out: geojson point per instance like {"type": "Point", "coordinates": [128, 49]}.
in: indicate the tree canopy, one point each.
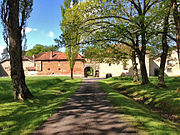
{"type": "Point", "coordinates": [133, 23]}
{"type": "Point", "coordinates": [37, 49]}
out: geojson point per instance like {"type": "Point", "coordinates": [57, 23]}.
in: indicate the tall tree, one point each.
{"type": "Point", "coordinates": [14, 14]}
{"type": "Point", "coordinates": [176, 15]}
{"type": "Point", "coordinates": [165, 45]}
{"type": "Point", "coordinates": [128, 22]}
{"type": "Point", "coordinates": [71, 49]}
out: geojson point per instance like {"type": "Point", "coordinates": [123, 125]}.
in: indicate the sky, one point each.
{"type": "Point", "coordinates": [44, 24]}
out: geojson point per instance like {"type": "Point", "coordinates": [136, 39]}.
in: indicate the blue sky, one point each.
{"type": "Point", "coordinates": [44, 24]}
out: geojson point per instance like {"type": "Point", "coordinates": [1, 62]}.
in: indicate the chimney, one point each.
{"type": "Point", "coordinates": [33, 59]}
{"type": "Point", "coordinates": [51, 54]}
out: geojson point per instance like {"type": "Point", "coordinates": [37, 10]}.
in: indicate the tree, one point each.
{"type": "Point", "coordinates": [70, 32]}
{"type": "Point", "coordinates": [14, 14]}
{"type": "Point", "coordinates": [37, 49]}
{"type": "Point", "coordinates": [128, 22]}
{"type": "Point", "coordinates": [176, 15]}
{"type": "Point", "coordinates": [165, 45]}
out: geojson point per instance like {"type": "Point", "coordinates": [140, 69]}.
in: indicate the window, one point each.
{"type": "Point", "coordinates": [109, 64]}
{"type": "Point", "coordinates": [59, 68]}
{"type": "Point", "coordinates": [169, 62]}
{"type": "Point", "coordinates": [48, 68]}
{"type": "Point", "coordinates": [169, 69]}
{"type": "Point", "coordinates": [125, 67]}
{"type": "Point", "coordinates": [6, 67]}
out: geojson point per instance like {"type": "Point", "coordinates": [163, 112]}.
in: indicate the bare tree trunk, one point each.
{"type": "Point", "coordinates": [134, 65]}
{"type": "Point", "coordinates": [165, 47]}
{"type": "Point", "coordinates": [144, 74]}
{"type": "Point", "coordinates": [161, 82]}
{"type": "Point", "coordinates": [72, 73]}
{"type": "Point", "coordinates": [20, 88]}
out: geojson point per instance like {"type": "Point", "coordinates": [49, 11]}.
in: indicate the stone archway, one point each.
{"type": "Point", "coordinates": [94, 66]}
{"type": "Point", "coordinates": [88, 71]}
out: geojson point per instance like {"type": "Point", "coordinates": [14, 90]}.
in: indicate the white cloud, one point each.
{"type": "Point", "coordinates": [34, 29]}
{"type": "Point", "coordinates": [51, 34]}
{"type": "Point", "coordinates": [28, 29]}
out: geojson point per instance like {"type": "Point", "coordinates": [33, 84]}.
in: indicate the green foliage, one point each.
{"type": "Point", "coordinates": [19, 118]}
{"type": "Point", "coordinates": [37, 49]}
{"type": "Point", "coordinates": [108, 53]}
{"type": "Point", "coordinates": [70, 29]}
{"type": "Point", "coordinates": [143, 118]}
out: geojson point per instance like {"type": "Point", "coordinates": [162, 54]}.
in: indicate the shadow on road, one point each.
{"type": "Point", "coordinates": [88, 112]}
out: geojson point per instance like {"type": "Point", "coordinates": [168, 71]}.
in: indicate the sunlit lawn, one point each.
{"type": "Point", "coordinates": [150, 96]}
{"type": "Point", "coordinates": [17, 117]}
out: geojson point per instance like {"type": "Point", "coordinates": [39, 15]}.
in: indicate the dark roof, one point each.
{"type": "Point", "coordinates": [53, 56]}
{"type": "Point", "coordinates": [23, 58]}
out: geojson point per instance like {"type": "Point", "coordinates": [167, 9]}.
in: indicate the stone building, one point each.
{"type": "Point", "coordinates": [5, 66]}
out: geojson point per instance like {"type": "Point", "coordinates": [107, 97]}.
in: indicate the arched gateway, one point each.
{"type": "Point", "coordinates": [91, 69]}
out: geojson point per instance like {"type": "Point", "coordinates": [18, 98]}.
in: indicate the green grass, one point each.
{"type": "Point", "coordinates": [144, 119]}
{"type": "Point", "coordinates": [17, 117]}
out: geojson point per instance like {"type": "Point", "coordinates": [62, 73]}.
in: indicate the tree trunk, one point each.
{"type": "Point", "coordinates": [177, 23]}
{"type": "Point", "coordinates": [20, 88]}
{"type": "Point", "coordinates": [72, 73]}
{"type": "Point", "coordinates": [165, 48]}
{"type": "Point", "coordinates": [144, 75]}
{"type": "Point", "coordinates": [161, 82]}
{"type": "Point", "coordinates": [134, 65]}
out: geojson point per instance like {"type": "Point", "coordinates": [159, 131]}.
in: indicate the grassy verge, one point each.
{"type": "Point", "coordinates": [144, 119]}
{"type": "Point", "coordinates": [17, 117]}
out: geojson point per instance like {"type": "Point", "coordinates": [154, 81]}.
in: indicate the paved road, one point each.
{"type": "Point", "coordinates": [88, 112]}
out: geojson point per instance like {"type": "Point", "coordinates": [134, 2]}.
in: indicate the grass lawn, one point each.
{"type": "Point", "coordinates": [123, 93]}
{"type": "Point", "coordinates": [17, 117]}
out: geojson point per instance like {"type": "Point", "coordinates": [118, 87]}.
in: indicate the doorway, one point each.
{"type": "Point", "coordinates": [88, 72]}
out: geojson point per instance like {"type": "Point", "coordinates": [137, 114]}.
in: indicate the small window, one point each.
{"type": "Point", "coordinates": [109, 64]}
{"type": "Point", "coordinates": [6, 67]}
{"type": "Point", "coordinates": [169, 62]}
{"type": "Point", "coordinates": [169, 69]}
{"type": "Point", "coordinates": [59, 68]}
{"type": "Point", "coordinates": [48, 68]}
{"type": "Point", "coordinates": [125, 67]}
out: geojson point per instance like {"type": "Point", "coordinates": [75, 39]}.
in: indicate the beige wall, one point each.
{"type": "Point", "coordinates": [7, 68]}
{"type": "Point", "coordinates": [171, 68]}
{"type": "Point", "coordinates": [118, 70]}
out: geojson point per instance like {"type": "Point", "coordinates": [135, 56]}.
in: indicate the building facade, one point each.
{"type": "Point", "coordinates": [5, 69]}
{"type": "Point", "coordinates": [56, 63]}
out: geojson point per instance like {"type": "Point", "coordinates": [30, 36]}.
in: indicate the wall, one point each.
{"type": "Point", "coordinates": [118, 70]}
{"type": "Point", "coordinates": [7, 69]}
{"type": "Point", "coordinates": [59, 68]}
{"type": "Point", "coordinates": [171, 68]}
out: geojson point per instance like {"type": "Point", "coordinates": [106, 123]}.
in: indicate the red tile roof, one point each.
{"type": "Point", "coordinates": [31, 68]}
{"type": "Point", "coordinates": [54, 56]}
{"type": "Point", "coordinates": [27, 58]}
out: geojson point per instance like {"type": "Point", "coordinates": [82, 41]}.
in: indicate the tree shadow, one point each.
{"type": "Point", "coordinates": [151, 121]}
{"type": "Point", "coordinates": [19, 116]}
{"type": "Point", "coordinates": [89, 112]}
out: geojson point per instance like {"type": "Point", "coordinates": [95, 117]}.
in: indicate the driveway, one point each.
{"type": "Point", "coordinates": [87, 112]}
